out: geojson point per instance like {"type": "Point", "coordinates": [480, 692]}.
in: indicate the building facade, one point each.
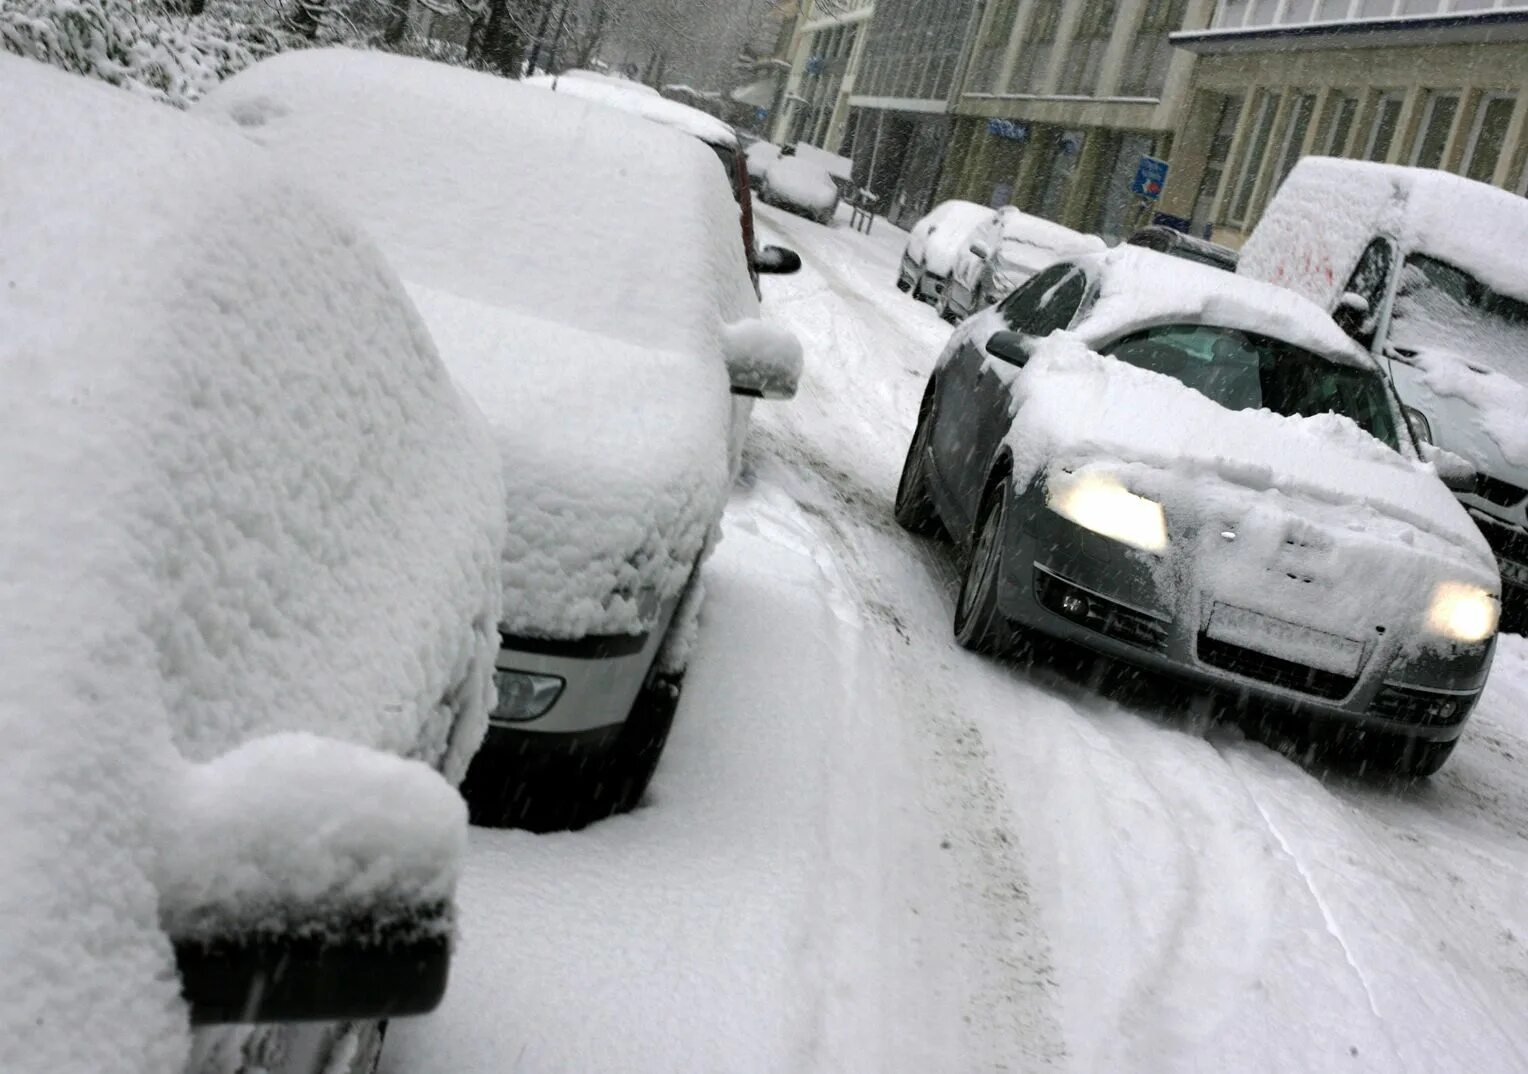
{"type": "Point", "coordinates": [1433, 83]}
{"type": "Point", "coordinates": [826, 53]}
{"type": "Point", "coordinates": [1061, 101]}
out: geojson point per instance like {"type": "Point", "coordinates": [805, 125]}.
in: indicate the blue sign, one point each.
{"type": "Point", "coordinates": [1007, 128]}
{"type": "Point", "coordinates": [1150, 177]}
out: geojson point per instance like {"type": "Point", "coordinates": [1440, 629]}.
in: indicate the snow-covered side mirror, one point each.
{"type": "Point", "coordinates": [1355, 303]}
{"type": "Point", "coordinates": [1455, 471]}
{"type": "Point", "coordinates": [303, 879]}
{"type": "Point", "coordinates": [980, 250]}
{"type": "Point", "coordinates": [763, 360]}
{"type": "Point", "coordinates": [1353, 315]}
{"type": "Point", "coordinates": [777, 260]}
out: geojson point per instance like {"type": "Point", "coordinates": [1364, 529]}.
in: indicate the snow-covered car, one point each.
{"type": "Point", "coordinates": [935, 242]}
{"type": "Point", "coordinates": [1426, 270]}
{"type": "Point", "coordinates": [636, 99]}
{"type": "Point", "coordinates": [1169, 240]}
{"type": "Point", "coordinates": [1213, 481]}
{"type": "Point", "coordinates": [800, 186]}
{"type": "Point", "coordinates": [251, 534]}
{"type": "Point", "coordinates": [1004, 252]}
{"type": "Point", "coordinates": [760, 155]}
{"type": "Point", "coordinates": [581, 275]}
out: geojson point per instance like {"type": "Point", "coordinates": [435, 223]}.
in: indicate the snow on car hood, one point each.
{"type": "Point", "coordinates": [612, 464]}
{"type": "Point", "coordinates": [1316, 498]}
{"type": "Point", "coordinates": [578, 269]}
{"type": "Point", "coordinates": [802, 183]}
{"type": "Point", "coordinates": [239, 494]}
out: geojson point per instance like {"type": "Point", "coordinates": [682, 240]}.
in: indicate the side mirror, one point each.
{"type": "Point", "coordinates": [1354, 302]}
{"type": "Point", "coordinates": [302, 879]}
{"type": "Point", "coordinates": [1352, 315]}
{"type": "Point", "coordinates": [1454, 470]}
{"type": "Point", "coordinates": [1010, 347]}
{"type": "Point", "coordinates": [777, 260]}
{"type": "Point", "coordinates": [763, 360]}
{"type": "Point", "coordinates": [980, 249]}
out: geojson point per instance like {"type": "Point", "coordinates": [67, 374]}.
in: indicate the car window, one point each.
{"type": "Point", "coordinates": [1244, 371]}
{"type": "Point", "coordinates": [1047, 302]}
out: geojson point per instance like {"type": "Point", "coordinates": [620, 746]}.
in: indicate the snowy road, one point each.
{"type": "Point", "coordinates": [868, 850]}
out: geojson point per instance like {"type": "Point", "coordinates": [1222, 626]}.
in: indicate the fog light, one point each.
{"type": "Point", "coordinates": [524, 695]}
{"type": "Point", "coordinates": [1074, 605]}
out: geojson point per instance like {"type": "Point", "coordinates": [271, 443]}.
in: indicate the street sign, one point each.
{"type": "Point", "coordinates": [1007, 128]}
{"type": "Point", "coordinates": [1150, 175]}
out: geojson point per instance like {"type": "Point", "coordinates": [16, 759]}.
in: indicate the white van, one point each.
{"type": "Point", "coordinates": [1425, 269]}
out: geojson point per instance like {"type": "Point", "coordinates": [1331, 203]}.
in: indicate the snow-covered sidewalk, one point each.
{"type": "Point", "coordinates": [868, 850]}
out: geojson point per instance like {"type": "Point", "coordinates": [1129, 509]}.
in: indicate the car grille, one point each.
{"type": "Point", "coordinates": [1424, 708]}
{"type": "Point", "coordinates": [1501, 493]}
{"type": "Point", "coordinates": [1098, 613]}
{"type": "Point", "coordinates": [1274, 670]}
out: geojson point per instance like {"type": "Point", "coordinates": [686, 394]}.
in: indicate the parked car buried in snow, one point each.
{"type": "Point", "coordinates": [607, 327]}
{"type": "Point", "coordinates": [934, 243]}
{"type": "Point", "coordinates": [1426, 270]}
{"type": "Point", "coordinates": [1210, 481]}
{"type": "Point", "coordinates": [1004, 252]}
{"type": "Point", "coordinates": [251, 534]}
{"type": "Point", "coordinates": [801, 186]}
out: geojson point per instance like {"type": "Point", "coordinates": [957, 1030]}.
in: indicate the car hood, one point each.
{"type": "Point", "coordinates": [1323, 517]}
{"type": "Point", "coordinates": [1473, 412]}
{"type": "Point", "coordinates": [615, 461]}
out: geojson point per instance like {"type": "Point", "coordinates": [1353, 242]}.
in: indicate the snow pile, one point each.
{"type": "Point", "coordinates": [151, 52]}
{"type": "Point", "coordinates": [242, 496]}
{"type": "Point", "coordinates": [235, 854]}
{"type": "Point", "coordinates": [762, 354]}
{"type": "Point", "coordinates": [802, 184]}
{"type": "Point", "coordinates": [1331, 526]}
{"type": "Point", "coordinates": [637, 99]}
{"type": "Point", "coordinates": [577, 270]}
{"type": "Point", "coordinates": [938, 239]}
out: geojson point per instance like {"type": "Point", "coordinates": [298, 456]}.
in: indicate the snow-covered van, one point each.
{"type": "Point", "coordinates": [1426, 270]}
{"type": "Point", "coordinates": [251, 533]}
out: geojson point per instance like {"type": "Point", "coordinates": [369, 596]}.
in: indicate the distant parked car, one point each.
{"type": "Point", "coordinates": [1003, 253]}
{"type": "Point", "coordinates": [801, 186]}
{"type": "Point", "coordinates": [1169, 240]}
{"type": "Point", "coordinates": [1209, 480]}
{"type": "Point", "coordinates": [252, 536]}
{"type": "Point", "coordinates": [934, 243]}
{"type": "Point", "coordinates": [608, 330]}
{"type": "Point", "coordinates": [1426, 270]}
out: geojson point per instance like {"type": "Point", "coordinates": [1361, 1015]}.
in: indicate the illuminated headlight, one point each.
{"type": "Point", "coordinates": [524, 696]}
{"type": "Point", "coordinates": [1104, 505]}
{"type": "Point", "coordinates": [1463, 612]}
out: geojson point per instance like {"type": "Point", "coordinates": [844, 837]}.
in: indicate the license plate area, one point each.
{"type": "Point", "coordinates": [1285, 640]}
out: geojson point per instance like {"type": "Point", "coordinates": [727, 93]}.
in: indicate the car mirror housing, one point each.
{"type": "Point", "coordinates": [763, 360]}
{"type": "Point", "coordinates": [980, 250]}
{"type": "Point", "coordinates": [1010, 347]}
{"type": "Point", "coordinates": [303, 879]}
{"type": "Point", "coordinates": [777, 261]}
{"type": "Point", "coordinates": [1455, 471]}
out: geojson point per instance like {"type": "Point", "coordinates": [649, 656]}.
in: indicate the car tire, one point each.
{"type": "Point", "coordinates": [914, 506]}
{"type": "Point", "coordinates": [570, 791]}
{"type": "Point", "coordinates": [979, 623]}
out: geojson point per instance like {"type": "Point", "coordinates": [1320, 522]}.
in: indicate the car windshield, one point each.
{"type": "Point", "coordinates": [1439, 307]}
{"type": "Point", "coordinates": [1244, 371]}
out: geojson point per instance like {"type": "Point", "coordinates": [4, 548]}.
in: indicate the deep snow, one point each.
{"type": "Point", "coordinates": [867, 850]}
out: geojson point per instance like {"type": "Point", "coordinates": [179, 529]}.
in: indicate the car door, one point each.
{"type": "Point", "coordinates": [974, 398]}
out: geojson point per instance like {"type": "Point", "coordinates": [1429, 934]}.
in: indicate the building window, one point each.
{"type": "Point", "coordinates": [1488, 136]}
{"type": "Point", "coordinates": [1437, 121]}
{"type": "Point", "coordinates": [1151, 52]}
{"type": "Point", "coordinates": [1342, 111]}
{"type": "Point", "coordinates": [1294, 135]}
{"type": "Point", "coordinates": [987, 67]}
{"type": "Point", "coordinates": [1079, 75]}
{"type": "Point", "coordinates": [1035, 53]}
{"type": "Point", "coordinates": [1215, 160]}
{"type": "Point", "coordinates": [1387, 117]}
{"type": "Point", "coordinates": [1263, 113]}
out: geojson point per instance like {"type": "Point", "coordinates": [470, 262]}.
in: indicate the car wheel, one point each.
{"type": "Point", "coordinates": [979, 624]}
{"type": "Point", "coordinates": [914, 507]}
{"type": "Point", "coordinates": [566, 792]}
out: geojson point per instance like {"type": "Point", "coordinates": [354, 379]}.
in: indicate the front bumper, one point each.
{"type": "Point", "coordinates": [1070, 583]}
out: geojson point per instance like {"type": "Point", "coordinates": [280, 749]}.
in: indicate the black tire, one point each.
{"type": "Point", "coordinates": [569, 791]}
{"type": "Point", "coordinates": [914, 506]}
{"type": "Point", "coordinates": [979, 624]}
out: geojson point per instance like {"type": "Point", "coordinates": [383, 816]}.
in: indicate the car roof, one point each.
{"type": "Point", "coordinates": [640, 100]}
{"type": "Point", "coordinates": [1136, 287]}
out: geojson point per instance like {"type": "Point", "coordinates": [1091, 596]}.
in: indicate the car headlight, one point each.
{"type": "Point", "coordinates": [1104, 505]}
{"type": "Point", "coordinates": [1463, 612]}
{"type": "Point", "coordinates": [524, 695]}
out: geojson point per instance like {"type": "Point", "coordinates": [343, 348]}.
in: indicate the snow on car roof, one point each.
{"type": "Point", "coordinates": [239, 490]}
{"type": "Point", "coordinates": [640, 100]}
{"type": "Point", "coordinates": [1137, 287]}
{"type": "Point", "coordinates": [1041, 232]}
{"type": "Point", "coordinates": [1326, 212]}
